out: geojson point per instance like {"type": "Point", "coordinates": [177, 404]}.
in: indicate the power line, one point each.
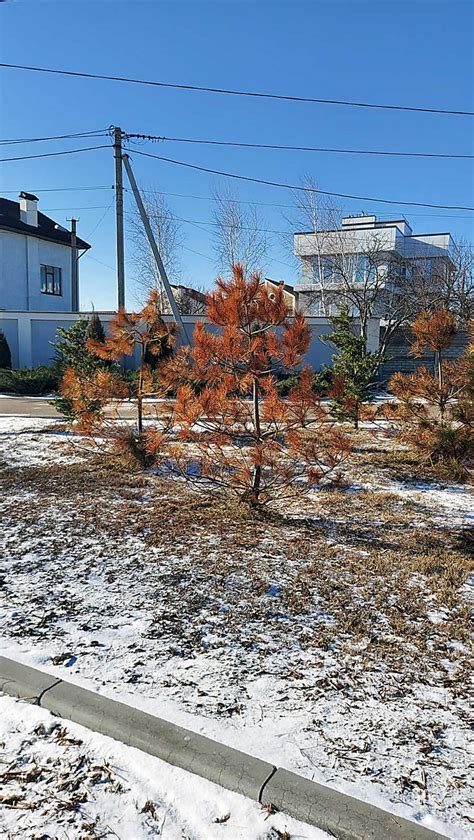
{"type": "Point", "coordinates": [89, 256]}
{"type": "Point", "coordinates": [286, 206]}
{"type": "Point", "coordinates": [101, 218]}
{"type": "Point", "coordinates": [195, 197]}
{"type": "Point", "coordinates": [74, 207]}
{"type": "Point", "coordinates": [98, 133]}
{"type": "Point", "coordinates": [199, 222]}
{"type": "Point", "coordinates": [64, 189]}
{"type": "Point", "coordinates": [198, 253]}
{"type": "Point", "coordinates": [231, 92]}
{"type": "Point", "coordinates": [297, 187]}
{"type": "Point", "coordinates": [54, 154]}
{"type": "Point", "coordinates": [238, 144]}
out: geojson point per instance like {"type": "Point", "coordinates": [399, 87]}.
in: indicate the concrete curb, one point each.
{"type": "Point", "coordinates": [345, 817]}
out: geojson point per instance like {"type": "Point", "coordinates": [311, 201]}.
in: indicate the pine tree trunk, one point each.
{"type": "Point", "coordinates": [139, 394]}
{"type": "Point", "coordinates": [140, 414]}
{"type": "Point", "coordinates": [439, 368]}
{"type": "Point", "coordinates": [257, 474]}
{"type": "Point", "coordinates": [356, 415]}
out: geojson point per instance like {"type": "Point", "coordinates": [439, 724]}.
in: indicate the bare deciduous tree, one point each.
{"type": "Point", "coordinates": [238, 237]}
{"type": "Point", "coordinates": [454, 290]}
{"type": "Point", "coordinates": [313, 213]}
{"type": "Point", "coordinates": [370, 279]}
{"type": "Point", "coordinates": [169, 238]}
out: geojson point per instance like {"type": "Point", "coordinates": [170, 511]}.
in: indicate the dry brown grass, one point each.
{"type": "Point", "coordinates": [361, 557]}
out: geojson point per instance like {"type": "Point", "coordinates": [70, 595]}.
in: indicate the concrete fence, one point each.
{"type": "Point", "coordinates": [30, 335]}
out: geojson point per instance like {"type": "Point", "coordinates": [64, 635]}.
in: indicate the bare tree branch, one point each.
{"type": "Point", "coordinates": [319, 215]}
{"type": "Point", "coordinates": [238, 237]}
{"type": "Point", "coordinates": [169, 238]}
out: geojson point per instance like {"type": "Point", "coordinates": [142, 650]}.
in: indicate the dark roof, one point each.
{"type": "Point", "coordinates": [287, 288]}
{"type": "Point", "coordinates": [29, 196]}
{"type": "Point", "coordinates": [193, 293]}
{"type": "Point", "coordinates": [10, 220]}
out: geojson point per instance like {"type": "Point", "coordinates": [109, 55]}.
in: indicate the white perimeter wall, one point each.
{"type": "Point", "coordinates": [29, 335]}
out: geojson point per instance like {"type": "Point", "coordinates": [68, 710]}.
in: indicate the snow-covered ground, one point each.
{"type": "Point", "coordinates": [61, 780]}
{"type": "Point", "coordinates": [245, 632]}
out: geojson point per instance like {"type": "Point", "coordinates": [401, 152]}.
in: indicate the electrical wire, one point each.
{"type": "Point", "coordinates": [99, 133]}
{"type": "Point", "coordinates": [197, 198]}
{"type": "Point", "coordinates": [285, 206]}
{"type": "Point", "coordinates": [198, 253]}
{"type": "Point", "coordinates": [232, 92]}
{"type": "Point", "coordinates": [238, 144]}
{"type": "Point", "coordinates": [101, 218]}
{"type": "Point", "coordinates": [209, 198]}
{"type": "Point", "coordinates": [64, 189]}
{"type": "Point", "coordinates": [296, 187]}
{"type": "Point", "coordinates": [73, 207]}
{"type": "Point", "coordinates": [55, 154]}
{"type": "Point", "coordinates": [89, 256]}
{"type": "Point", "coordinates": [197, 223]}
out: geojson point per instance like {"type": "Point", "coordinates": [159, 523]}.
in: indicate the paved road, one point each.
{"type": "Point", "coordinates": [40, 407]}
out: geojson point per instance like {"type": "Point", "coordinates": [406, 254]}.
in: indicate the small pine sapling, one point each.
{"type": "Point", "coordinates": [5, 354]}
{"type": "Point", "coordinates": [353, 371]}
{"type": "Point", "coordinates": [434, 409]}
{"type": "Point", "coordinates": [238, 432]}
{"type": "Point", "coordinates": [433, 331]}
{"type": "Point", "coordinates": [135, 334]}
{"type": "Point", "coordinates": [72, 352]}
{"type": "Point", "coordinates": [141, 333]}
{"type": "Point", "coordinates": [88, 395]}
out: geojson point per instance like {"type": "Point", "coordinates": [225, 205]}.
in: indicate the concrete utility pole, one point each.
{"type": "Point", "coordinates": [155, 251]}
{"type": "Point", "coordinates": [118, 134]}
{"type": "Point", "coordinates": [74, 267]}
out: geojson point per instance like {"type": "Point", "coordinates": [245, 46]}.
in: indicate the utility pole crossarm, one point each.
{"type": "Point", "coordinates": [154, 248]}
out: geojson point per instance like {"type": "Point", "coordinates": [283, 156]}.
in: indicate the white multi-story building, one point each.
{"type": "Point", "coordinates": [367, 253]}
{"type": "Point", "coordinates": [38, 258]}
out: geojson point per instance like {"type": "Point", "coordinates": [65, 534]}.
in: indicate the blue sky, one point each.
{"type": "Point", "coordinates": [416, 52]}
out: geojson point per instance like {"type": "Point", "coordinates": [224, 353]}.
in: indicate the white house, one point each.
{"type": "Point", "coordinates": [38, 259]}
{"type": "Point", "coordinates": [364, 250]}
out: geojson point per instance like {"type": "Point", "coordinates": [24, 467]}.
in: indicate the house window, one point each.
{"type": "Point", "coordinates": [325, 268]}
{"type": "Point", "coordinates": [360, 269]}
{"type": "Point", "coordinates": [51, 283]}
{"type": "Point", "coordinates": [365, 271]}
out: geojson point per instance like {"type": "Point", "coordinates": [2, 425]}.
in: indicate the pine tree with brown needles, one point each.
{"type": "Point", "coordinates": [237, 432]}
{"type": "Point", "coordinates": [143, 334]}
{"type": "Point", "coordinates": [435, 408]}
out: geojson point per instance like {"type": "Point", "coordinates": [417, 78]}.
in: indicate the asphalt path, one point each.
{"type": "Point", "coordinates": [11, 406]}
{"type": "Point", "coordinates": [42, 408]}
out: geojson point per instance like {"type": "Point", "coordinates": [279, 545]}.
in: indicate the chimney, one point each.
{"type": "Point", "coordinates": [29, 209]}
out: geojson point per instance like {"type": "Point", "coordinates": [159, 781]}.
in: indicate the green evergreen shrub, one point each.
{"type": "Point", "coordinates": [71, 351]}
{"type": "Point", "coordinates": [5, 355]}
{"type": "Point", "coordinates": [354, 369]}
{"type": "Point", "coordinates": [30, 381]}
